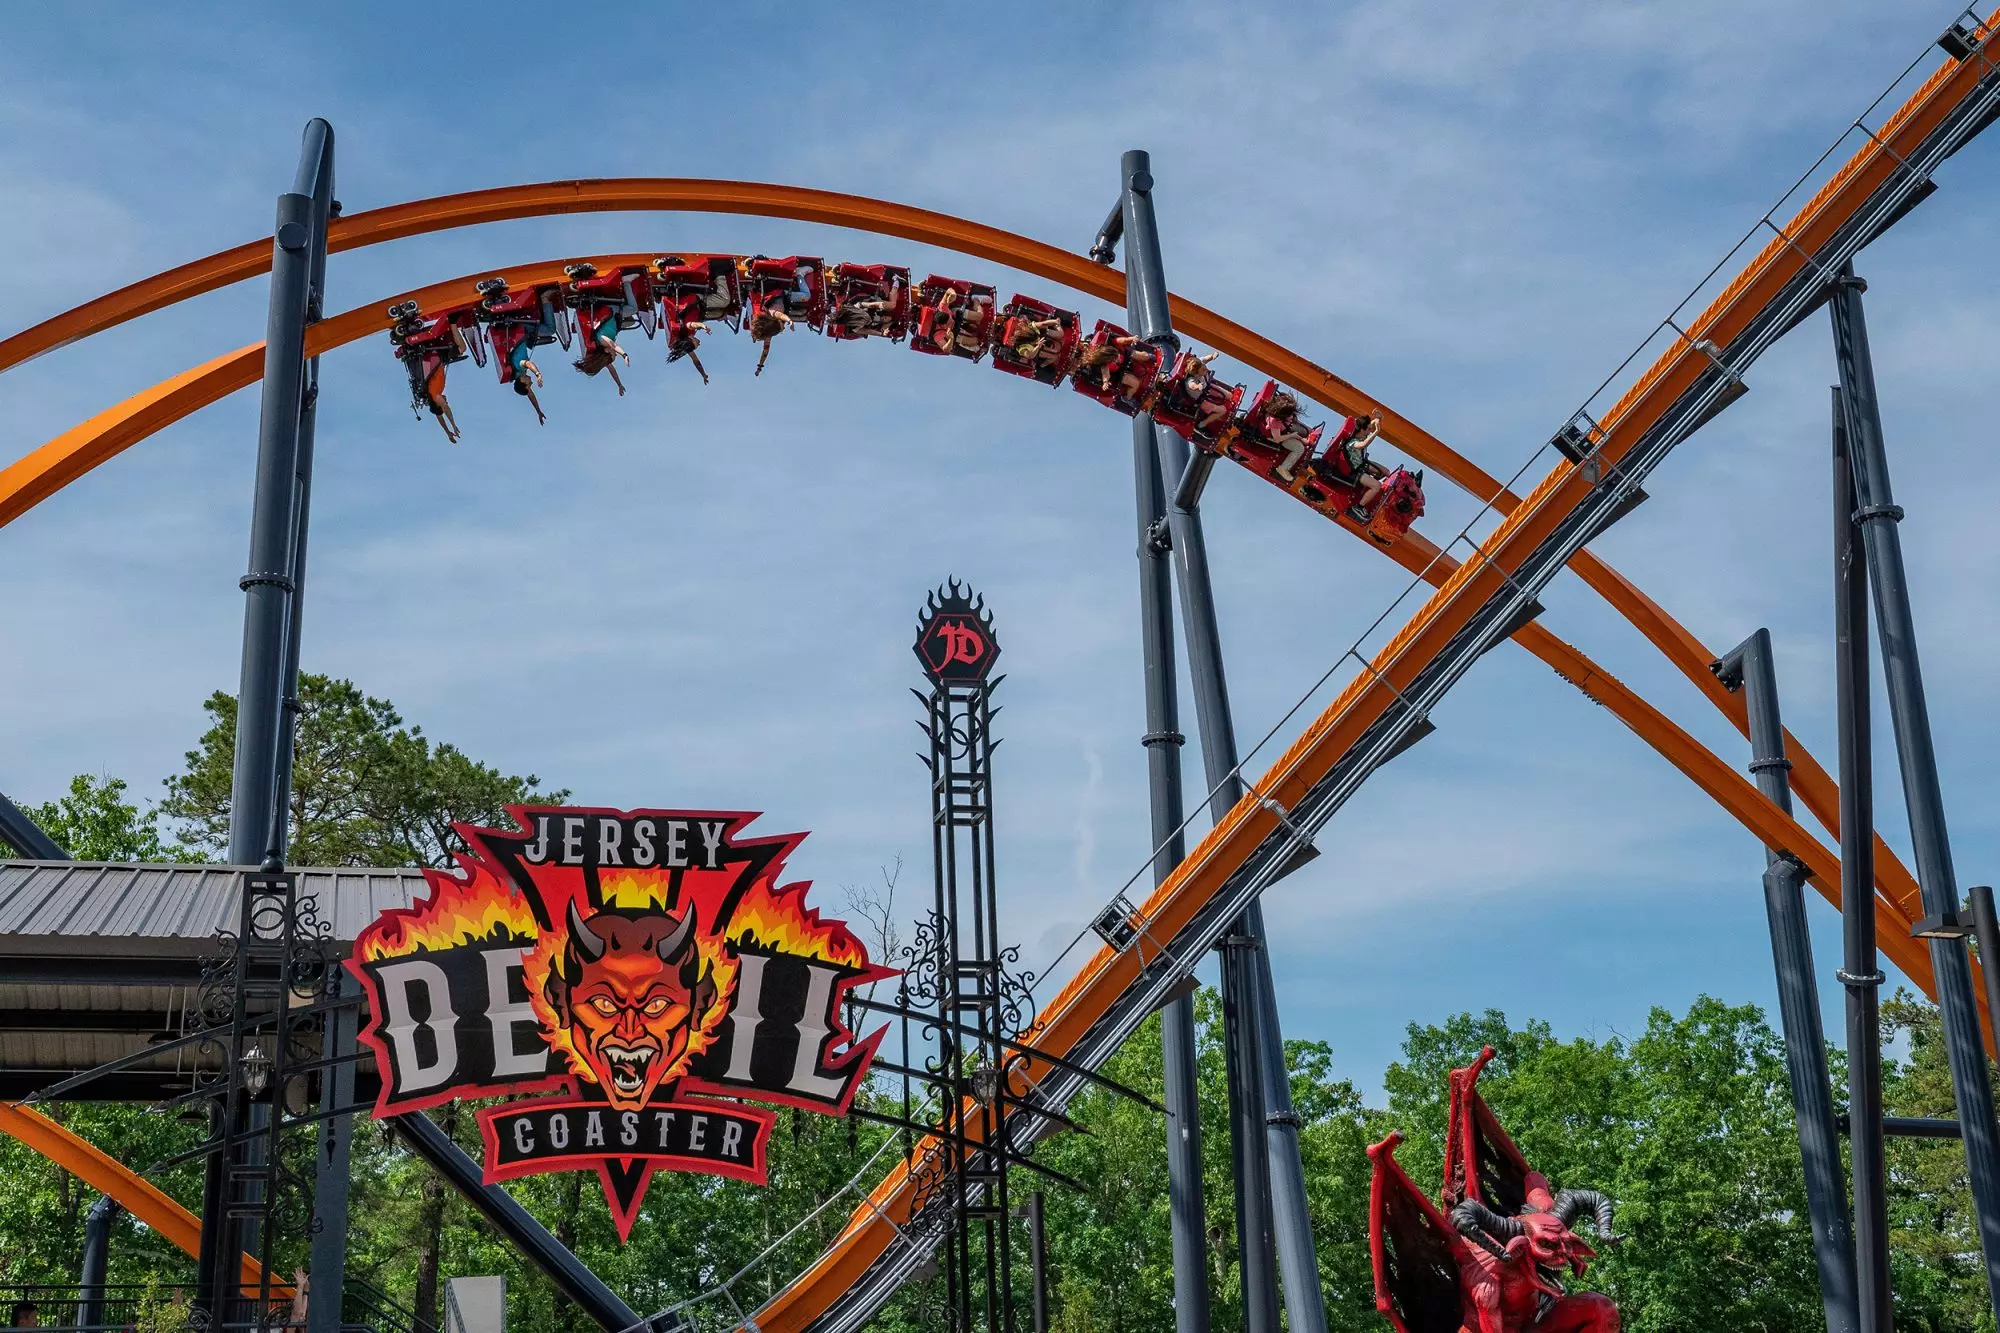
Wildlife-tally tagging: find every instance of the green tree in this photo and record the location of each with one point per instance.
(366, 789)
(1939, 1279)
(94, 822)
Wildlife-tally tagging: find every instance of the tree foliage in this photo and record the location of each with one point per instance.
(94, 822)
(367, 790)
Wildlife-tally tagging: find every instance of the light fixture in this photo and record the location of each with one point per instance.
(1944, 926)
(256, 1070)
(986, 1083)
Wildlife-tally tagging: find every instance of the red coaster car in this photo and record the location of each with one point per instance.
(1401, 504)
(1037, 341)
(1280, 440)
(626, 290)
(699, 288)
(1116, 369)
(1195, 405)
(955, 318)
(426, 344)
(533, 317)
(868, 301)
(795, 284)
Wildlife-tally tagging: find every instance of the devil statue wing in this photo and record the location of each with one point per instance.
(1480, 1161)
(1411, 1245)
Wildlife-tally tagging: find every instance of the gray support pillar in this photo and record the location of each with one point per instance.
(1186, 1206)
(1750, 668)
(328, 1262)
(1986, 929)
(96, 1260)
(316, 178)
(1877, 514)
(267, 611)
(1263, 1121)
(1860, 971)
(25, 836)
(571, 1276)
(1038, 1248)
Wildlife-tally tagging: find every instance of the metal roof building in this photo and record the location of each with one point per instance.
(98, 959)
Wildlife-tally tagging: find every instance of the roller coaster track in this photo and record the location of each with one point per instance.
(1478, 596)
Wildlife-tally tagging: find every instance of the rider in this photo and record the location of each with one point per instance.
(1035, 340)
(771, 319)
(527, 376)
(1346, 461)
(684, 340)
(1116, 358)
(430, 378)
(944, 333)
(1210, 416)
(1285, 433)
(602, 351)
(865, 314)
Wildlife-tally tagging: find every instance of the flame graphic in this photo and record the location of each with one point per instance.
(481, 907)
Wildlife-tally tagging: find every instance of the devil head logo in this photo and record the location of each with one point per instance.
(631, 987)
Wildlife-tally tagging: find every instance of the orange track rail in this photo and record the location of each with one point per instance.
(1461, 591)
(107, 1175)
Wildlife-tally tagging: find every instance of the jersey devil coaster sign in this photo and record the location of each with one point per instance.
(639, 965)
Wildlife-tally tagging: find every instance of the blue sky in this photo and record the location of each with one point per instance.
(704, 597)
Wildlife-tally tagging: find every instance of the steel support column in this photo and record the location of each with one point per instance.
(572, 1277)
(1038, 1246)
(1261, 1108)
(1860, 972)
(1186, 1206)
(328, 1262)
(96, 1260)
(268, 586)
(316, 178)
(1877, 514)
(1750, 667)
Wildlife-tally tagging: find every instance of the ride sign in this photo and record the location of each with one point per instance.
(640, 964)
(955, 636)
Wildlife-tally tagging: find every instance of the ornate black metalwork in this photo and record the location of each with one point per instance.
(261, 1008)
(975, 1000)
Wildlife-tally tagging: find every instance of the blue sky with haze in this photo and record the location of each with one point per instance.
(704, 597)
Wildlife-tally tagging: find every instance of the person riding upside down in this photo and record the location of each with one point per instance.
(523, 373)
(684, 337)
(771, 319)
(601, 350)
(430, 380)
(1346, 463)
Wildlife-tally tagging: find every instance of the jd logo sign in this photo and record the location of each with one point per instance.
(955, 636)
(638, 965)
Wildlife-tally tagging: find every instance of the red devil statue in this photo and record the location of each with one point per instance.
(1490, 1255)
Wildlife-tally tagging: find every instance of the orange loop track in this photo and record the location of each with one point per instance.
(41, 473)
(85, 446)
(1530, 529)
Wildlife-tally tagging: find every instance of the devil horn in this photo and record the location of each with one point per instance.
(670, 947)
(585, 941)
